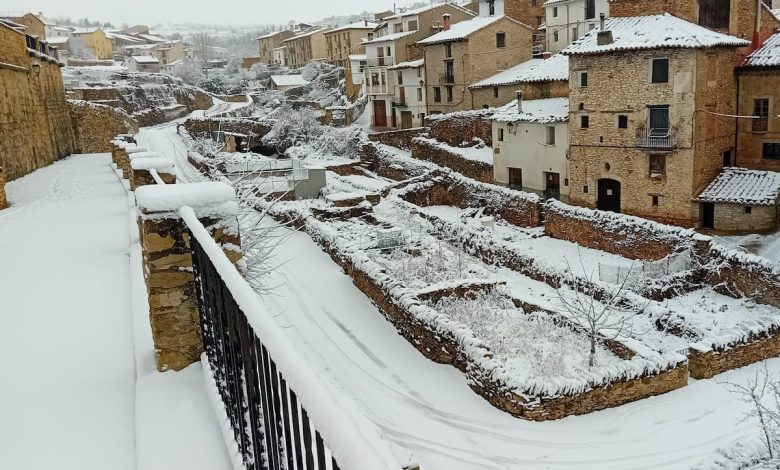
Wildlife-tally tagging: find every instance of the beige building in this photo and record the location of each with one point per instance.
(742, 200)
(758, 139)
(306, 47)
(91, 43)
(268, 42)
(646, 132)
(535, 78)
(529, 12)
(468, 52)
(347, 40)
(33, 24)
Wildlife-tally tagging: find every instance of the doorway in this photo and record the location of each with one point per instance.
(406, 119)
(707, 215)
(516, 178)
(609, 195)
(552, 185)
(380, 113)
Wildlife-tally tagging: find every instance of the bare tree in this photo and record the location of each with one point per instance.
(754, 393)
(607, 317)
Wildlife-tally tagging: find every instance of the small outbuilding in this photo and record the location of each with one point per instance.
(741, 200)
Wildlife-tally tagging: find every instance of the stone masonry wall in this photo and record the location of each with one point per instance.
(3, 197)
(705, 365)
(738, 274)
(732, 217)
(477, 170)
(200, 127)
(34, 119)
(460, 129)
(481, 97)
(95, 125)
(750, 145)
(401, 139)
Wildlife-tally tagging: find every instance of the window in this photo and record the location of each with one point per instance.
(659, 70)
(398, 28)
(590, 9)
(419, 94)
(574, 33)
(555, 12)
(491, 7)
(412, 25)
(761, 111)
(449, 71)
(546, 90)
(555, 36)
(419, 73)
(771, 151)
(622, 121)
(655, 201)
(500, 134)
(748, 210)
(584, 121)
(400, 78)
(657, 165)
(585, 189)
(389, 52)
(495, 92)
(500, 40)
(448, 50)
(449, 94)
(583, 76)
(550, 135)
(714, 14)
(437, 94)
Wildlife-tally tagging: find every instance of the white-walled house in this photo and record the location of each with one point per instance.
(142, 63)
(531, 144)
(357, 64)
(280, 56)
(568, 20)
(409, 93)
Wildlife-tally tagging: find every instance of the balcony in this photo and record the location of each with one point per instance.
(657, 139)
(381, 61)
(446, 79)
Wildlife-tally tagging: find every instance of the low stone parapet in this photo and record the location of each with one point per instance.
(3, 197)
(457, 159)
(401, 139)
(143, 170)
(705, 364)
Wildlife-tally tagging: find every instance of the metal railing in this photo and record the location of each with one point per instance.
(381, 62)
(657, 139)
(446, 79)
(281, 414)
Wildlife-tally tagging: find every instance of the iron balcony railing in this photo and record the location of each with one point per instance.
(657, 139)
(281, 414)
(381, 61)
(446, 79)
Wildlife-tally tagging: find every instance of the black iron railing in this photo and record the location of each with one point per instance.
(271, 429)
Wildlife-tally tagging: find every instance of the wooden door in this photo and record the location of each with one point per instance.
(609, 195)
(516, 178)
(552, 185)
(406, 119)
(380, 113)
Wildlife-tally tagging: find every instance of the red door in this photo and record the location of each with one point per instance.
(380, 113)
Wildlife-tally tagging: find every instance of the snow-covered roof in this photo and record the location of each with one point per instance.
(388, 37)
(417, 11)
(356, 25)
(306, 34)
(776, 12)
(544, 111)
(743, 186)
(414, 64)
(556, 68)
(652, 32)
(151, 38)
(358, 57)
(462, 30)
(84, 30)
(122, 37)
(279, 48)
(289, 80)
(767, 55)
(269, 35)
(145, 59)
(55, 40)
(549, 3)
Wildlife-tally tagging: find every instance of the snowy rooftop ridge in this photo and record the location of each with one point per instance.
(768, 55)
(417, 11)
(743, 186)
(544, 111)
(408, 65)
(356, 25)
(144, 59)
(289, 80)
(652, 32)
(556, 68)
(388, 37)
(463, 30)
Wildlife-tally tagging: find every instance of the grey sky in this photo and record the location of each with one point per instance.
(199, 11)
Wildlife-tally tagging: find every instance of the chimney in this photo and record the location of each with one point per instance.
(520, 102)
(447, 21)
(604, 37)
(365, 22)
(757, 27)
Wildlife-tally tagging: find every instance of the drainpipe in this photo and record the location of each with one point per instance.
(757, 30)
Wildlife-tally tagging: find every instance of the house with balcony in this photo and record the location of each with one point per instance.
(466, 53)
(346, 40)
(568, 20)
(409, 93)
(531, 145)
(306, 47)
(758, 82)
(535, 78)
(280, 56)
(393, 42)
(649, 129)
(267, 43)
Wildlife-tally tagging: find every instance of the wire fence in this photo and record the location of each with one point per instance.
(646, 270)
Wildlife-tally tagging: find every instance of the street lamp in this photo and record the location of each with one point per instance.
(36, 68)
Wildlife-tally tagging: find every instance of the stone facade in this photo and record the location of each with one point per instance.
(340, 43)
(473, 59)
(741, 275)
(34, 118)
(458, 128)
(734, 217)
(95, 125)
(400, 139)
(269, 42)
(763, 83)
(306, 47)
(478, 170)
(529, 12)
(482, 97)
(705, 365)
(698, 86)
(3, 197)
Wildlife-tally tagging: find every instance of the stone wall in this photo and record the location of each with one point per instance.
(754, 84)
(204, 127)
(481, 97)
(478, 170)
(389, 165)
(401, 139)
(627, 236)
(732, 217)
(94, 125)
(738, 274)
(3, 197)
(34, 120)
(460, 129)
(705, 365)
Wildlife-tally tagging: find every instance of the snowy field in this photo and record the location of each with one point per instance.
(80, 389)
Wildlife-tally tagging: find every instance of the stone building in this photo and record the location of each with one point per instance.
(741, 200)
(470, 51)
(347, 40)
(529, 12)
(33, 24)
(306, 47)
(530, 146)
(394, 41)
(569, 20)
(34, 120)
(647, 132)
(536, 78)
(268, 42)
(758, 94)
(91, 43)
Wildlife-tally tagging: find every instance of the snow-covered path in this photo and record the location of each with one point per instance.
(79, 389)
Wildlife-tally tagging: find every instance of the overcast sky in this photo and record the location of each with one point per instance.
(198, 11)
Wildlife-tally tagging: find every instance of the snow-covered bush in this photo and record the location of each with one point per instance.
(293, 127)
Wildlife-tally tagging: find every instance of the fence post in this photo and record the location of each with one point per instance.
(141, 171)
(167, 262)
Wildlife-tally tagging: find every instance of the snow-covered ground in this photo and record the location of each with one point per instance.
(767, 245)
(80, 389)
